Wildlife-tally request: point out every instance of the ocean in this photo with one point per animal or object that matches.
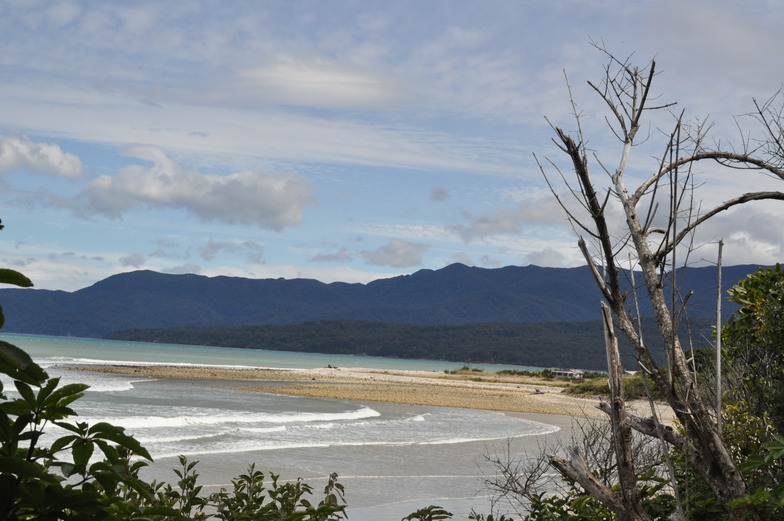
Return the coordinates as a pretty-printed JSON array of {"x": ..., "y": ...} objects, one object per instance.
[{"x": 392, "y": 459}]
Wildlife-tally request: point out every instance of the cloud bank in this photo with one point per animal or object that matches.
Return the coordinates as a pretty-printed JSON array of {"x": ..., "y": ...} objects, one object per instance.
[{"x": 266, "y": 199}]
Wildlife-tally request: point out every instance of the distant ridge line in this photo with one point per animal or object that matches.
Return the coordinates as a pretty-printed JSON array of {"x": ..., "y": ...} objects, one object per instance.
[{"x": 456, "y": 294}]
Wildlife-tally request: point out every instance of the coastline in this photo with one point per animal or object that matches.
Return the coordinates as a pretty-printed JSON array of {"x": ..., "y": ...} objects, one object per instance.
[{"x": 485, "y": 391}]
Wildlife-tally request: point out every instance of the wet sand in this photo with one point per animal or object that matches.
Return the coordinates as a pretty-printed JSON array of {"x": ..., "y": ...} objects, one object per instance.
[{"x": 486, "y": 391}]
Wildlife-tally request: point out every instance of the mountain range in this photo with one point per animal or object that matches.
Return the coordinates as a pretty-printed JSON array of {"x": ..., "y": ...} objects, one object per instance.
[{"x": 456, "y": 294}]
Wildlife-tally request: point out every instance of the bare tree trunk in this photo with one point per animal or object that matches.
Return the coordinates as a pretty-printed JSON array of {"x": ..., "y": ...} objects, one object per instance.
[{"x": 621, "y": 431}]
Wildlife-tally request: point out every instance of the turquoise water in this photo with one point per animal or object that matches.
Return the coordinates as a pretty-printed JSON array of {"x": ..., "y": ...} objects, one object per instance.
[
  {"x": 91, "y": 350},
  {"x": 392, "y": 458}
]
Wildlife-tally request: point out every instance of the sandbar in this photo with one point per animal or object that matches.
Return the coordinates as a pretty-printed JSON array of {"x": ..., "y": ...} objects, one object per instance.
[{"x": 487, "y": 391}]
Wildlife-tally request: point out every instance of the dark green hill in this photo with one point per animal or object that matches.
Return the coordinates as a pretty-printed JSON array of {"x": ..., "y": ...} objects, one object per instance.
[
  {"x": 454, "y": 295},
  {"x": 542, "y": 344}
]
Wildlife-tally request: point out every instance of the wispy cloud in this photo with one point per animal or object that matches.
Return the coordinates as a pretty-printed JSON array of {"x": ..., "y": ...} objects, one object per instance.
[
  {"x": 318, "y": 83},
  {"x": 396, "y": 253},
  {"x": 251, "y": 250},
  {"x": 342, "y": 255}
]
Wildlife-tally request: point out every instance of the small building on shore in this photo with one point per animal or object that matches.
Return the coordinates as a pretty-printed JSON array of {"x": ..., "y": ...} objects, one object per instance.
[{"x": 568, "y": 373}]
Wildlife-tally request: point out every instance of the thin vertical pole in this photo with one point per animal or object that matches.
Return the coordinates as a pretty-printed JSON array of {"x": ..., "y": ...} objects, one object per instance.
[{"x": 718, "y": 341}]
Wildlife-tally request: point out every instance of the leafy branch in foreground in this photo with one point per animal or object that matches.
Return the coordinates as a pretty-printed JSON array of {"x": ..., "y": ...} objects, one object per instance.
[{"x": 91, "y": 472}]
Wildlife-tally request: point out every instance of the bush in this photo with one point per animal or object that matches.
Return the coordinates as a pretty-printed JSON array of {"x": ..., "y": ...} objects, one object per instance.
[
  {"x": 92, "y": 472},
  {"x": 633, "y": 386}
]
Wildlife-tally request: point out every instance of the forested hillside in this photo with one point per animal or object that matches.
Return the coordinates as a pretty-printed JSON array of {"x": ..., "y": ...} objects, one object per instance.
[
  {"x": 453, "y": 295},
  {"x": 544, "y": 344}
]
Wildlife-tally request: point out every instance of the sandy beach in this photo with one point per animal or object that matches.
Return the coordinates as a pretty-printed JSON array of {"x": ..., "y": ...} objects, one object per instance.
[{"x": 487, "y": 391}]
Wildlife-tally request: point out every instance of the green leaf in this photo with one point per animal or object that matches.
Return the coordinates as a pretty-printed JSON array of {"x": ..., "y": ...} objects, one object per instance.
[
  {"x": 428, "y": 514},
  {"x": 80, "y": 428},
  {"x": 61, "y": 443},
  {"x": 17, "y": 364},
  {"x": 14, "y": 277},
  {"x": 107, "y": 431},
  {"x": 66, "y": 394},
  {"x": 20, "y": 467},
  {"x": 16, "y": 407},
  {"x": 27, "y": 393},
  {"x": 82, "y": 452}
]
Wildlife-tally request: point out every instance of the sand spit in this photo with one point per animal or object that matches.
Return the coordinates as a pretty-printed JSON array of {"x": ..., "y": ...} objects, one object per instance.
[{"x": 481, "y": 391}]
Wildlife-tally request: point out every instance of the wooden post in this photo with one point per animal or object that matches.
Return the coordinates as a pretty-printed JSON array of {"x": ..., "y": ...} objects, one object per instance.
[{"x": 718, "y": 341}]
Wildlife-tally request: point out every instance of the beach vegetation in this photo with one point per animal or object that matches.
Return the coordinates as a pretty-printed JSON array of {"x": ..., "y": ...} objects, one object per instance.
[
  {"x": 634, "y": 387},
  {"x": 754, "y": 337},
  {"x": 464, "y": 370}
]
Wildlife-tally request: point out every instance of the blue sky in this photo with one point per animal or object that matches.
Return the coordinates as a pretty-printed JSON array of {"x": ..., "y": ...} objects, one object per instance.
[{"x": 339, "y": 140}]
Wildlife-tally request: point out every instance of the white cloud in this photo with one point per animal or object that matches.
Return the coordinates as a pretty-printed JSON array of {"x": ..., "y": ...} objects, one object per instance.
[
  {"x": 319, "y": 83},
  {"x": 500, "y": 221},
  {"x": 548, "y": 257},
  {"x": 253, "y": 251},
  {"x": 182, "y": 269},
  {"x": 212, "y": 248},
  {"x": 726, "y": 39},
  {"x": 290, "y": 271},
  {"x": 341, "y": 255},
  {"x": 134, "y": 260},
  {"x": 21, "y": 152},
  {"x": 269, "y": 200},
  {"x": 490, "y": 262},
  {"x": 462, "y": 258},
  {"x": 396, "y": 253}
]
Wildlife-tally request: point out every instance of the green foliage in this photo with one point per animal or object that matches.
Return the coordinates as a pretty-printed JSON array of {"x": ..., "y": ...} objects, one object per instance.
[
  {"x": 77, "y": 475},
  {"x": 518, "y": 372},
  {"x": 766, "y": 499},
  {"x": 15, "y": 278},
  {"x": 481, "y": 517},
  {"x": 634, "y": 387},
  {"x": 754, "y": 337},
  {"x": 430, "y": 513},
  {"x": 250, "y": 500},
  {"x": 548, "y": 344},
  {"x": 463, "y": 370},
  {"x": 91, "y": 472},
  {"x": 753, "y": 410},
  {"x": 573, "y": 504}
]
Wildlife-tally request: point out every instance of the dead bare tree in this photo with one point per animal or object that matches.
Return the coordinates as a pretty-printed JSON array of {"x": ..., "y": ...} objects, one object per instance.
[
  {"x": 626, "y": 92},
  {"x": 518, "y": 479}
]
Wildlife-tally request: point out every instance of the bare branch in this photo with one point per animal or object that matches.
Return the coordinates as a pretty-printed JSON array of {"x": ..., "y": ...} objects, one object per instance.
[
  {"x": 668, "y": 246},
  {"x": 648, "y": 426},
  {"x": 578, "y": 470},
  {"x": 728, "y": 159}
]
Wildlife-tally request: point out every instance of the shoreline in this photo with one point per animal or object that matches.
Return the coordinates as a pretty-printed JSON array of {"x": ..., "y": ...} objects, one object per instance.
[{"x": 486, "y": 391}]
